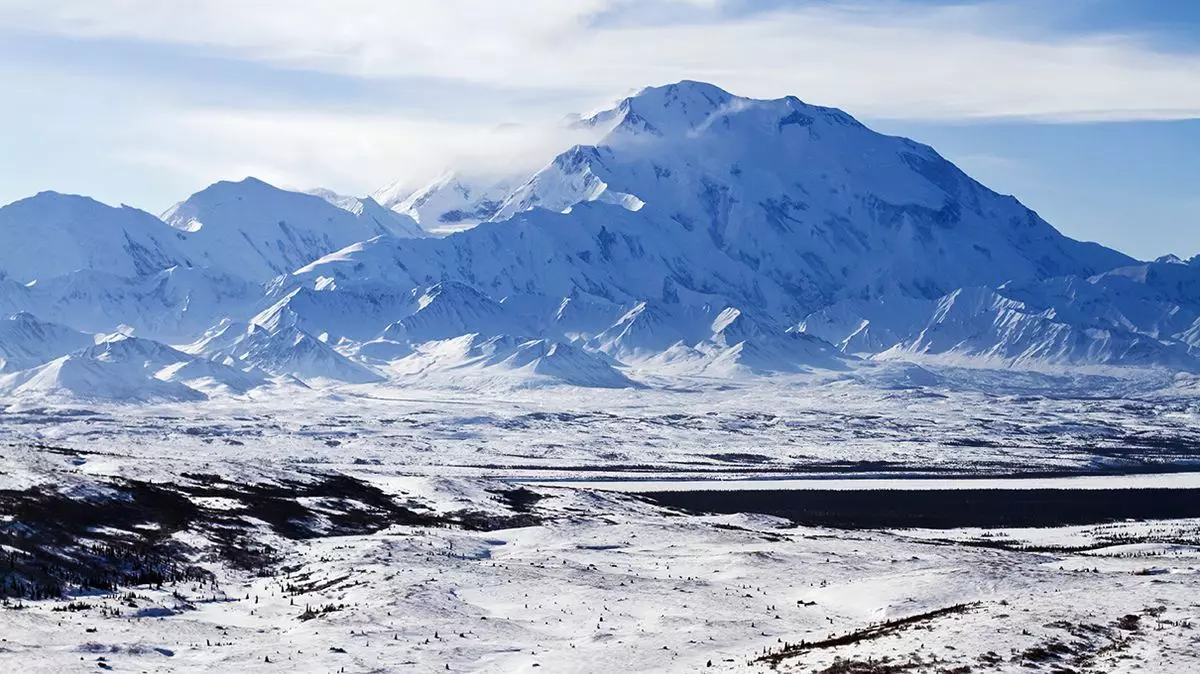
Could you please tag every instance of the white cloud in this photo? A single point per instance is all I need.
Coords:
(882, 59)
(130, 134)
(352, 153)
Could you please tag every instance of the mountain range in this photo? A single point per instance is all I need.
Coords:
(702, 233)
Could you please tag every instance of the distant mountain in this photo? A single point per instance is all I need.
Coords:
(806, 197)
(451, 202)
(697, 201)
(53, 234)
(283, 350)
(366, 208)
(259, 231)
(702, 234)
(27, 342)
(126, 369)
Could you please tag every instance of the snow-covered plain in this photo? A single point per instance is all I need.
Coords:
(591, 581)
(603, 583)
(871, 420)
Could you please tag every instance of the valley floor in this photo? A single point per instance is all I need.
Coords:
(607, 584)
(371, 531)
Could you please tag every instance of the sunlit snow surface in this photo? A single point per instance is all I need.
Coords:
(602, 582)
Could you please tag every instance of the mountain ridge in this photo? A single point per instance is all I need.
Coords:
(701, 233)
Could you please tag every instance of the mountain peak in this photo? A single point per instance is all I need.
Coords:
(52, 199)
(51, 234)
(688, 107)
(672, 107)
(259, 231)
(249, 184)
(684, 92)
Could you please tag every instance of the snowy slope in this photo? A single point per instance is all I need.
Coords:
(1160, 299)
(451, 202)
(728, 342)
(475, 360)
(173, 305)
(333, 313)
(259, 231)
(981, 322)
(864, 326)
(395, 223)
(128, 369)
(27, 342)
(284, 350)
(450, 309)
(53, 234)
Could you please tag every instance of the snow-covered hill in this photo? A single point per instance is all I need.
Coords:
(282, 350)
(128, 369)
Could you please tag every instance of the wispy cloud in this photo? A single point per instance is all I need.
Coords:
(431, 84)
(348, 152)
(890, 59)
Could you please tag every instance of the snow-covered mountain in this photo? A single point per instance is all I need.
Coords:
(259, 231)
(806, 197)
(283, 350)
(983, 322)
(1144, 314)
(702, 233)
(53, 234)
(395, 223)
(128, 369)
(451, 202)
(26, 341)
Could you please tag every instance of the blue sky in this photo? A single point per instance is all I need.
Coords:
(1086, 110)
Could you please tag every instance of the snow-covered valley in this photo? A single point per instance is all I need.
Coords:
(370, 530)
(284, 536)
